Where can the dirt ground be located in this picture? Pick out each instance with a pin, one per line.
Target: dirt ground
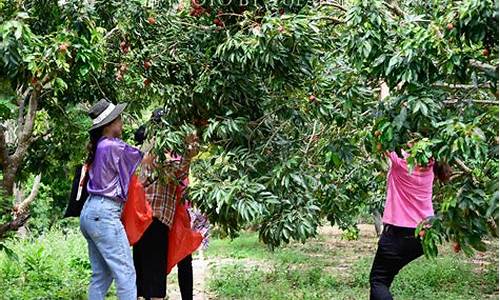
(330, 238)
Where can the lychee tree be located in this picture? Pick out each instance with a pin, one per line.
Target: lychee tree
(263, 86)
(47, 50)
(286, 99)
(440, 61)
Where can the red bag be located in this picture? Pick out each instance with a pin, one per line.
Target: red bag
(182, 240)
(137, 214)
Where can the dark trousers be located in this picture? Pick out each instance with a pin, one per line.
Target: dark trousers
(397, 247)
(150, 260)
(185, 277)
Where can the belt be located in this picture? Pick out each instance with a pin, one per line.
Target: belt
(399, 231)
(117, 201)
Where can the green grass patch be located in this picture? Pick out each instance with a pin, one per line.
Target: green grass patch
(51, 266)
(247, 245)
(446, 277)
(238, 282)
(301, 272)
(56, 266)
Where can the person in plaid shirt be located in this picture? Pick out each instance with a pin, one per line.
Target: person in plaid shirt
(150, 252)
(161, 195)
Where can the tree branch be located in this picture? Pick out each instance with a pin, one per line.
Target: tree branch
(21, 208)
(24, 138)
(329, 18)
(462, 86)
(4, 154)
(13, 225)
(99, 87)
(229, 15)
(20, 102)
(45, 80)
(456, 175)
(110, 33)
(455, 101)
(23, 143)
(483, 66)
(48, 133)
(395, 9)
(312, 137)
(336, 5)
(462, 166)
(25, 135)
(272, 137)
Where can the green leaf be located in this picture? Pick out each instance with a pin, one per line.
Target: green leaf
(84, 70)
(392, 62)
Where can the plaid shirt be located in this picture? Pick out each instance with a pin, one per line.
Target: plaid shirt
(162, 195)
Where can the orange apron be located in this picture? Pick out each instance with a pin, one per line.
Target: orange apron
(137, 216)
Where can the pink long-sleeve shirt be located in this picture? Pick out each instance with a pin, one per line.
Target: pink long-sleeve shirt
(409, 196)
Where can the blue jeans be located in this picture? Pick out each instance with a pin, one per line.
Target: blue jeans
(109, 251)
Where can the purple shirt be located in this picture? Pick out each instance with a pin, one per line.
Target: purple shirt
(113, 166)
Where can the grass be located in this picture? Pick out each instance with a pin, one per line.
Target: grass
(247, 246)
(239, 282)
(245, 269)
(52, 266)
(56, 266)
(447, 277)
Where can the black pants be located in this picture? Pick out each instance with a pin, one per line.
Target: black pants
(185, 277)
(397, 247)
(150, 261)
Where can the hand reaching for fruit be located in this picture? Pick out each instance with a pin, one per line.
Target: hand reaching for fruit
(192, 144)
(148, 160)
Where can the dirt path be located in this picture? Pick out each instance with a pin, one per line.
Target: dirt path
(200, 277)
(343, 252)
(332, 236)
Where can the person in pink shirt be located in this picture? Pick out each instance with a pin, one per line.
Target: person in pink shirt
(408, 203)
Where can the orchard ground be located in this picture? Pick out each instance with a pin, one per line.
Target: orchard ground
(56, 266)
(329, 267)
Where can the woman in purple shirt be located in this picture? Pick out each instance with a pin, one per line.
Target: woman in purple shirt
(112, 163)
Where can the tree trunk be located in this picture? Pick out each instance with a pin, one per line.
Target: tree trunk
(9, 176)
(10, 163)
(20, 211)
